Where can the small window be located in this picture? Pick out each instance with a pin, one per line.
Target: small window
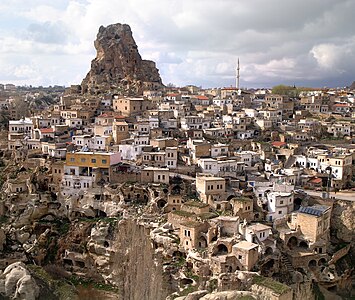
(104, 161)
(93, 160)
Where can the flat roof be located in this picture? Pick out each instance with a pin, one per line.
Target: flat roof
(207, 178)
(196, 204)
(258, 227)
(245, 245)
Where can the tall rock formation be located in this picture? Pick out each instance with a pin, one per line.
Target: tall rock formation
(118, 66)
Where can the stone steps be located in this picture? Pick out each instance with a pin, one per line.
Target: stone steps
(285, 261)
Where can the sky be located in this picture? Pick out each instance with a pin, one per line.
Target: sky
(304, 42)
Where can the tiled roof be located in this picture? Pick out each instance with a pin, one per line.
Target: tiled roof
(278, 144)
(47, 130)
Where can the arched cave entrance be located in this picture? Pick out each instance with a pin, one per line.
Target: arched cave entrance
(186, 281)
(161, 203)
(269, 251)
(322, 261)
(292, 242)
(202, 242)
(222, 249)
(312, 264)
(100, 213)
(303, 244)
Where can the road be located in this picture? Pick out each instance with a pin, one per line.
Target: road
(350, 196)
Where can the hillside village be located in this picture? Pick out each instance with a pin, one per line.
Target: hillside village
(238, 192)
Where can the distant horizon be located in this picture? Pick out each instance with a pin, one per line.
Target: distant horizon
(203, 88)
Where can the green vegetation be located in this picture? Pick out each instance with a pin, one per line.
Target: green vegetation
(213, 284)
(275, 286)
(91, 283)
(3, 219)
(60, 288)
(180, 262)
(208, 216)
(182, 213)
(190, 274)
(287, 90)
(196, 204)
(189, 289)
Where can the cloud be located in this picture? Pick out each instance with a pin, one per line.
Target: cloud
(192, 42)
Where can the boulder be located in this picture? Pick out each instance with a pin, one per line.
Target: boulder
(17, 283)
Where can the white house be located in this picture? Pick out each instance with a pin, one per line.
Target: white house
(279, 205)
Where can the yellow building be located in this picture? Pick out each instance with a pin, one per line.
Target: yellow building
(84, 169)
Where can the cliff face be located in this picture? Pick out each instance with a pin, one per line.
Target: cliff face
(118, 65)
(136, 268)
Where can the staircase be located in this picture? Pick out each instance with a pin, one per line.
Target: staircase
(286, 262)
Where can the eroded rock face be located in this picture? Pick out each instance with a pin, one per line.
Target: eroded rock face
(343, 221)
(118, 64)
(17, 283)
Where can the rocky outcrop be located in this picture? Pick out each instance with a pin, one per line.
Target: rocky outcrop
(118, 66)
(342, 220)
(17, 283)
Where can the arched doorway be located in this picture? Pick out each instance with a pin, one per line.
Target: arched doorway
(202, 242)
(312, 264)
(322, 261)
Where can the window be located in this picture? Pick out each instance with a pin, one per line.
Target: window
(72, 159)
(83, 160)
(93, 160)
(280, 212)
(281, 202)
(104, 161)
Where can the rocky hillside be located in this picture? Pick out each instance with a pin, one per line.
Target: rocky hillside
(118, 66)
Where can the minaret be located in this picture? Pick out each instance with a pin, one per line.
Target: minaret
(237, 77)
